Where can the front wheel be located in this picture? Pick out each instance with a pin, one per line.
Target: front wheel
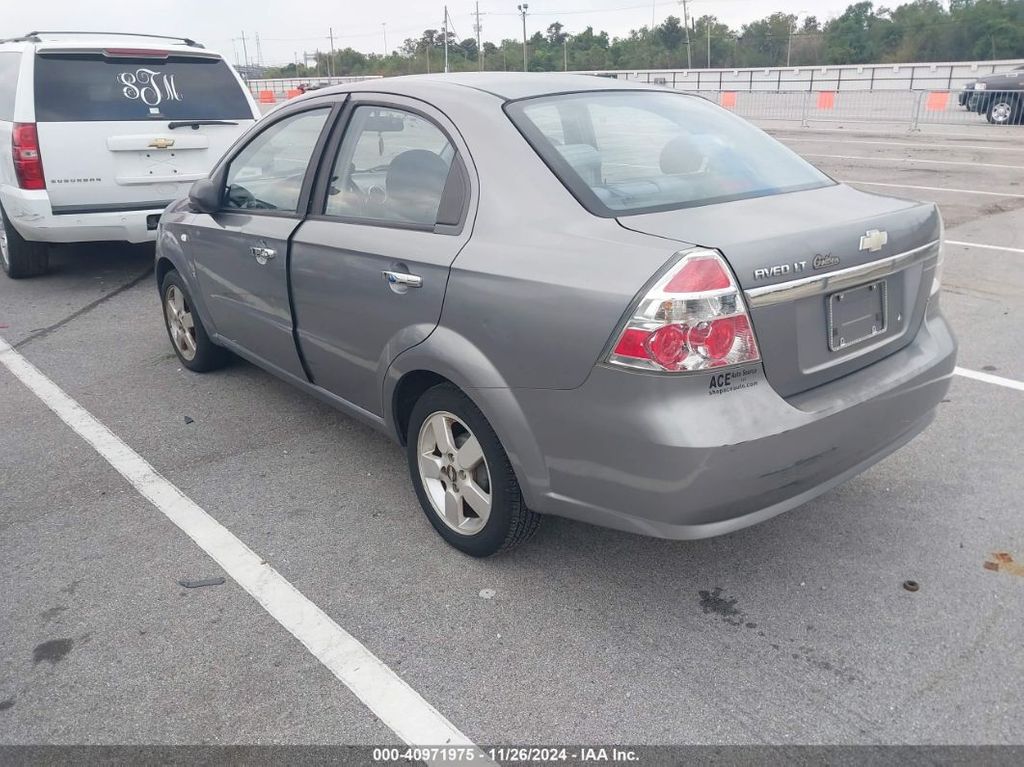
(1004, 110)
(185, 328)
(462, 476)
(20, 257)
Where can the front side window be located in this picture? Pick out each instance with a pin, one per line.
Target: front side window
(623, 152)
(77, 87)
(392, 166)
(268, 173)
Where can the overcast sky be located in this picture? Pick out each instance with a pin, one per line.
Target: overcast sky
(286, 28)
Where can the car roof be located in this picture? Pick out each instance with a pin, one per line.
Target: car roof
(85, 41)
(507, 86)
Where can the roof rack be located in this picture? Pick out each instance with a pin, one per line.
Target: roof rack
(34, 37)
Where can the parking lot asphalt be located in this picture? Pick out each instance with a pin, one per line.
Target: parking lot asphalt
(794, 631)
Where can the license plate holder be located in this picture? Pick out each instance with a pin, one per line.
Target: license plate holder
(857, 315)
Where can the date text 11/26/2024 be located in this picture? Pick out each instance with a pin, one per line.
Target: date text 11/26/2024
(505, 754)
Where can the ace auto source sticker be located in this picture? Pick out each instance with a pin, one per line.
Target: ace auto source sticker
(148, 86)
(733, 380)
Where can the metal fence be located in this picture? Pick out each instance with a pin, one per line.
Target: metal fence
(854, 77)
(273, 91)
(909, 109)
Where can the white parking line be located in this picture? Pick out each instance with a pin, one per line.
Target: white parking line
(931, 188)
(1009, 383)
(393, 701)
(913, 159)
(986, 247)
(909, 144)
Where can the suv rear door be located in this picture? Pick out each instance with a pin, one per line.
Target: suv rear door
(114, 128)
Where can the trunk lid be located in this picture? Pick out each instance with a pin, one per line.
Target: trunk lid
(811, 242)
(113, 124)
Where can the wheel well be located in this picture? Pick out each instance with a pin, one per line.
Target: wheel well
(410, 388)
(163, 266)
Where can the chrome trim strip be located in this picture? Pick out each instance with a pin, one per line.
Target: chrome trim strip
(844, 278)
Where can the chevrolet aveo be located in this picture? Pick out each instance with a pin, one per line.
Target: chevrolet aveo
(566, 295)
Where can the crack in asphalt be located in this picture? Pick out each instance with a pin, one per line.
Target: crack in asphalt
(50, 329)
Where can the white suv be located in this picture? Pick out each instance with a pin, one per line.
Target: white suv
(105, 129)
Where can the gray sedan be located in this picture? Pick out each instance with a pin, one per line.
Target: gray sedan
(566, 295)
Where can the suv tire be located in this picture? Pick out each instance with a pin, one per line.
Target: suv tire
(20, 257)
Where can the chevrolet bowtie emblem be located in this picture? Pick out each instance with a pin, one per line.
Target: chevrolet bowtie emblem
(162, 143)
(873, 240)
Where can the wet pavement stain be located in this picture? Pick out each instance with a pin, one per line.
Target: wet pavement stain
(1002, 562)
(54, 651)
(53, 612)
(716, 602)
(713, 602)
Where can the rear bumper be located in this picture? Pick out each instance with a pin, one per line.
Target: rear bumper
(682, 458)
(32, 215)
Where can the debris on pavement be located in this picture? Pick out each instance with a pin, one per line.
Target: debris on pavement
(201, 583)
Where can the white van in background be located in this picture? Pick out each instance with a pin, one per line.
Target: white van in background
(104, 130)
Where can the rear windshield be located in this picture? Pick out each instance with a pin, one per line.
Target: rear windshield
(622, 152)
(79, 87)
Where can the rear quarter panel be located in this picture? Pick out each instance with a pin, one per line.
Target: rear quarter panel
(535, 296)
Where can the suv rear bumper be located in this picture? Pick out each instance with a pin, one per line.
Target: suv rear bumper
(32, 215)
(678, 457)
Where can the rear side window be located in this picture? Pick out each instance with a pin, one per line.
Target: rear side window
(83, 87)
(10, 63)
(393, 166)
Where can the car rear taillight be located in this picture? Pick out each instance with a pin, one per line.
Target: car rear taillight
(28, 165)
(693, 318)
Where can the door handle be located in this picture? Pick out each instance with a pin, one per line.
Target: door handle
(262, 255)
(403, 279)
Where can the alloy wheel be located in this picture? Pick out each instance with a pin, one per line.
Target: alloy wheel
(454, 473)
(180, 322)
(1001, 112)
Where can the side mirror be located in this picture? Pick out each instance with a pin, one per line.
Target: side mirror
(205, 195)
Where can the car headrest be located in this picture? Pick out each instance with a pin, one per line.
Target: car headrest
(414, 182)
(681, 155)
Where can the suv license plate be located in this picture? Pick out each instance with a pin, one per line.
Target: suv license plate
(856, 315)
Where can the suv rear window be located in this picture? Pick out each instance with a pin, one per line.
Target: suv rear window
(624, 152)
(82, 87)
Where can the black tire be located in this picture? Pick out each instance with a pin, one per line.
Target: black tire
(208, 356)
(1004, 109)
(22, 258)
(510, 522)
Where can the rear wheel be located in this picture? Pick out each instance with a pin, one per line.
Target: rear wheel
(1004, 110)
(185, 328)
(462, 476)
(20, 257)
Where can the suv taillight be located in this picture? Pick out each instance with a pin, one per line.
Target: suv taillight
(28, 165)
(693, 318)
